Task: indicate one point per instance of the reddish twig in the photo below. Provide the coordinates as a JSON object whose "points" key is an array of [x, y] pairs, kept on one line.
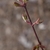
{"points": [[32, 26], [30, 22]]}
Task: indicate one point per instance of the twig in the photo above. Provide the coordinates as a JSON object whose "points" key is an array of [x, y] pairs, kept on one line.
{"points": [[32, 26]]}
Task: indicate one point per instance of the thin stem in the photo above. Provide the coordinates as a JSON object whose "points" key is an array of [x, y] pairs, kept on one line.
{"points": [[32, 26]]}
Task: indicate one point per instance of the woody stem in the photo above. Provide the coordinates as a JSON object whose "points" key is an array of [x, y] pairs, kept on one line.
{"points": [[32, 26]]}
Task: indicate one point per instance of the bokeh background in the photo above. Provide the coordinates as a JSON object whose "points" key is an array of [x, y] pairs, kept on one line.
{"points": [[15, 34]]}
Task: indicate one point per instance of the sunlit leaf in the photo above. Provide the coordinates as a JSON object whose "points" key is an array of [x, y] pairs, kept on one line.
{"points": [[24, 17]]}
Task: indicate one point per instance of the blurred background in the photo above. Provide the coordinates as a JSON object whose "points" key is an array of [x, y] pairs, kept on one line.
{"points": [[15, 34]]}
